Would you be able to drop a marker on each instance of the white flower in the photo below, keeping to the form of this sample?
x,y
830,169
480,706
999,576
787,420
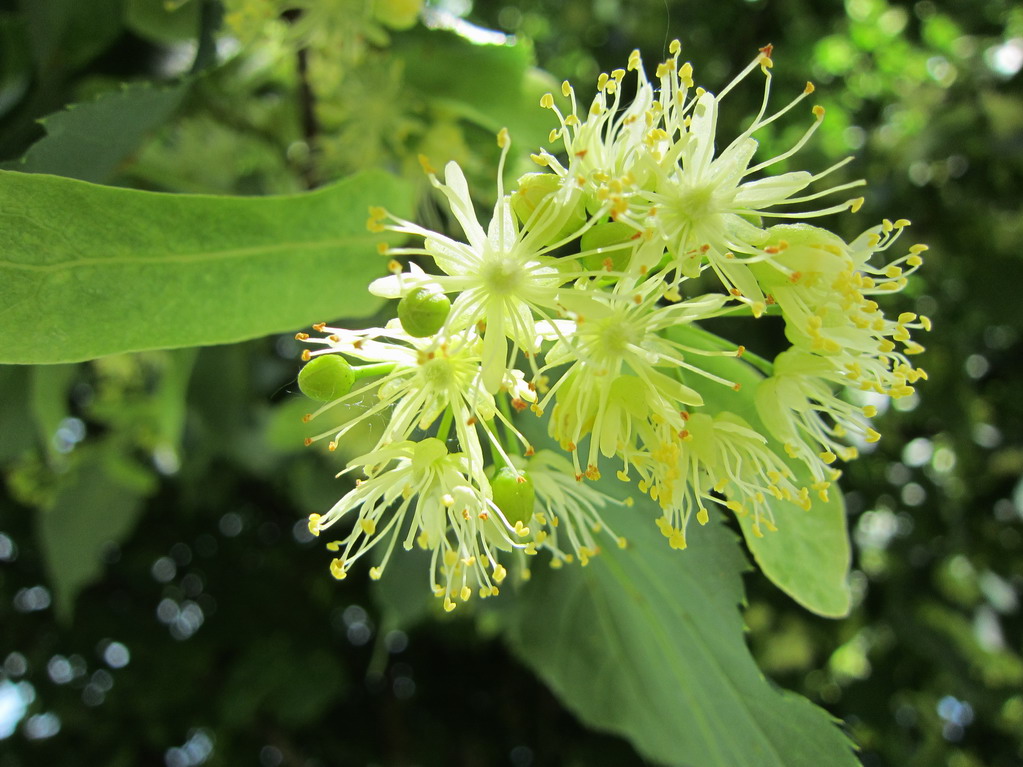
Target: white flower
x,y
420,382
704,208
719,454
826,290
503,277
568,517
449,513
621,372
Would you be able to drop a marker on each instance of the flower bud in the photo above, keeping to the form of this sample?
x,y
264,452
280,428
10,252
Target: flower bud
x,y
514,494
538,190
326,378
423,311
397,14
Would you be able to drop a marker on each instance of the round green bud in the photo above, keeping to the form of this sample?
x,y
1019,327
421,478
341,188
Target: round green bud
x,y
423,311
397,14
514,494
326,378
607,235
536,190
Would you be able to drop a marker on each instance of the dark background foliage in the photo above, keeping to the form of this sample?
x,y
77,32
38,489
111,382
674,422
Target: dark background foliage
x,y
213,633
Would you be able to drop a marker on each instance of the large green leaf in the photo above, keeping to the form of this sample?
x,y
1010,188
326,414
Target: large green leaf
x,y
90,270
809,556
88,141
648,643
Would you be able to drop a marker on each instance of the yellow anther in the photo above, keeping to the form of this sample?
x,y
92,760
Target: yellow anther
x,y
703,516
503,138
500,573
872,436
465,593
448,605
547,101
424,161
685,74
337,569
314,523
566,89
368,526
375,573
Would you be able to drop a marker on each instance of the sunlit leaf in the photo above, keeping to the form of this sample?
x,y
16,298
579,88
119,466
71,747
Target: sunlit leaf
x,y
647,642
90,270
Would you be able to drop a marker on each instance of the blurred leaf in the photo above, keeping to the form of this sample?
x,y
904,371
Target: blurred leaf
x,y
16,428
494,86
402,595
66,34
809,556
163,21
170,397
126,270
49,400
647,642
88,141
279,677
91,510
15,61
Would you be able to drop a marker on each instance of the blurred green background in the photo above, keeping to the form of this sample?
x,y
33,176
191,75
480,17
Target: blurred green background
x,y
160,599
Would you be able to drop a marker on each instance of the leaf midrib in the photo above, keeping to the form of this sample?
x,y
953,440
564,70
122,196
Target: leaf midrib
x,y
193,257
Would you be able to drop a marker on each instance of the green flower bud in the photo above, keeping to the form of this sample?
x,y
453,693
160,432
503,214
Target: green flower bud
x,y
423,311
326,378
536,188
607,235
514,494
397,14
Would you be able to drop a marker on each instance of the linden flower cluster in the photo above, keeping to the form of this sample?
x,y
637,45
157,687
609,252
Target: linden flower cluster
x,y
580,298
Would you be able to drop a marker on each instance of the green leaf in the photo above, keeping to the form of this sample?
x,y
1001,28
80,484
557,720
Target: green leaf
x,y
49,401
67,34
278,676
809,556
88,141
91,511
108,270
494,86
648,643
17,435
163,21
